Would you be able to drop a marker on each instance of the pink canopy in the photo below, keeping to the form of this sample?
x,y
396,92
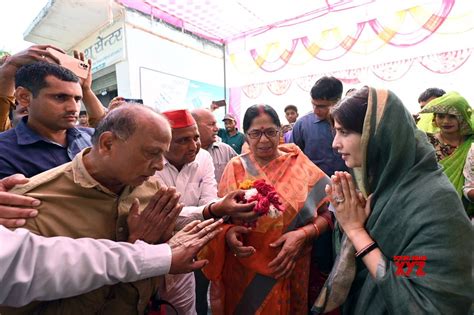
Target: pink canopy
x,y
225,21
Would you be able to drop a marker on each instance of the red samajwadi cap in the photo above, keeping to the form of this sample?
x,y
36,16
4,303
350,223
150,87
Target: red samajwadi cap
x,y
180,118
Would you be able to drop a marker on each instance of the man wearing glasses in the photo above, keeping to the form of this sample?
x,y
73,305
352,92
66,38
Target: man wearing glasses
x,y
313,132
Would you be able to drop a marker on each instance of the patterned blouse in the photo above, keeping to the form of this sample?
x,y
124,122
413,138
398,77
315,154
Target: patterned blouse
x,y
442,150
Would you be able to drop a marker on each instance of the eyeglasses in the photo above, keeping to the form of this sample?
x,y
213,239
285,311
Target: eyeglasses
x,y
257,134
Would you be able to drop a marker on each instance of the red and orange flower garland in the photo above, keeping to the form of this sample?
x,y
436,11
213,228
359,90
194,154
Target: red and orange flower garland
x,y
268,202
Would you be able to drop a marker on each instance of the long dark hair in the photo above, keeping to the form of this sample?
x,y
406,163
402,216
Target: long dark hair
x,y
350,112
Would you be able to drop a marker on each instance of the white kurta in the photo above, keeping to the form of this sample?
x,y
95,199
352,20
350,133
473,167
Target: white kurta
x,y
28,272
195,182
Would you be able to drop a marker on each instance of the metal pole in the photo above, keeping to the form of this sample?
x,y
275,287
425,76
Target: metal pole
x,y
225,79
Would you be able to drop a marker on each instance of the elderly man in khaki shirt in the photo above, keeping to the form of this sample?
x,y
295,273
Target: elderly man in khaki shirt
x,y
91,197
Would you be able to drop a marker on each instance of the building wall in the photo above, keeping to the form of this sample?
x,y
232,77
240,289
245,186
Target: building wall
x,y
155,47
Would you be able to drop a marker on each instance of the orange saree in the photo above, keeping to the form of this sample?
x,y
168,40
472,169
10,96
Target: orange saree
x,y
244,285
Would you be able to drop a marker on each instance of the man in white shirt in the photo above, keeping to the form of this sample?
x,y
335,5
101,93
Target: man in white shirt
x,y
186,167
191,171
221,152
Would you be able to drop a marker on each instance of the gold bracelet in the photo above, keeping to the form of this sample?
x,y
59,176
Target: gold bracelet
x,y
316,228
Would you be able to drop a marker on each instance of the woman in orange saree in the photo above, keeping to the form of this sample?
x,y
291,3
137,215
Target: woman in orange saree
x,y
265,269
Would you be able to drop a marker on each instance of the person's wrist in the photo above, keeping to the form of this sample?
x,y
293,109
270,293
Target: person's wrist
x,y
355,233
315,232
8,69
211,212
303,234
87,90
132,238
216,210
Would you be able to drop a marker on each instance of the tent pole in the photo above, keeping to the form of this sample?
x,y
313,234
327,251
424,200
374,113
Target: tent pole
x,y
225,77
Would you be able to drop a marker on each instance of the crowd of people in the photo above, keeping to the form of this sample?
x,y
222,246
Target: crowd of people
x,y
357,207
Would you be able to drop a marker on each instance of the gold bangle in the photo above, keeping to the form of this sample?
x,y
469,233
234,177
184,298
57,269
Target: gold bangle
x,y
316,228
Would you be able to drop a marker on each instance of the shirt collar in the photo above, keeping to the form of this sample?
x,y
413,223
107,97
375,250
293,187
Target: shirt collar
x,y
213,145
26,135
166,162
84,179
317,119
237,132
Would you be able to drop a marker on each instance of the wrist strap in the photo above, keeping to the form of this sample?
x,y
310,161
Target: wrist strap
x,y
367,249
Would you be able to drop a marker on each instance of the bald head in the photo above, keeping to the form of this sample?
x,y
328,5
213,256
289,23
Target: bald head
x,y
128,147
124,121
207,126
201,114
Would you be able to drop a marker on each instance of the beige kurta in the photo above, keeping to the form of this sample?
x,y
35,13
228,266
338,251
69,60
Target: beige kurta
x,y
76,205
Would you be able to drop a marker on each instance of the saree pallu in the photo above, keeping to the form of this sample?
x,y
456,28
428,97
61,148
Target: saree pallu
x,y
453,167
245,285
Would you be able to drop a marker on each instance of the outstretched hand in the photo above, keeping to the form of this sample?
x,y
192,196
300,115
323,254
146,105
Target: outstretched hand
x,y
231,205
187,243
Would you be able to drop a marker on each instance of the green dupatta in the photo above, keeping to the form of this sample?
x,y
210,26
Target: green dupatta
x,y
453,165
415,212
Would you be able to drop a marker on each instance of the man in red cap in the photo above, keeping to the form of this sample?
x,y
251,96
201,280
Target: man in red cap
x,y
187,167
191,171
